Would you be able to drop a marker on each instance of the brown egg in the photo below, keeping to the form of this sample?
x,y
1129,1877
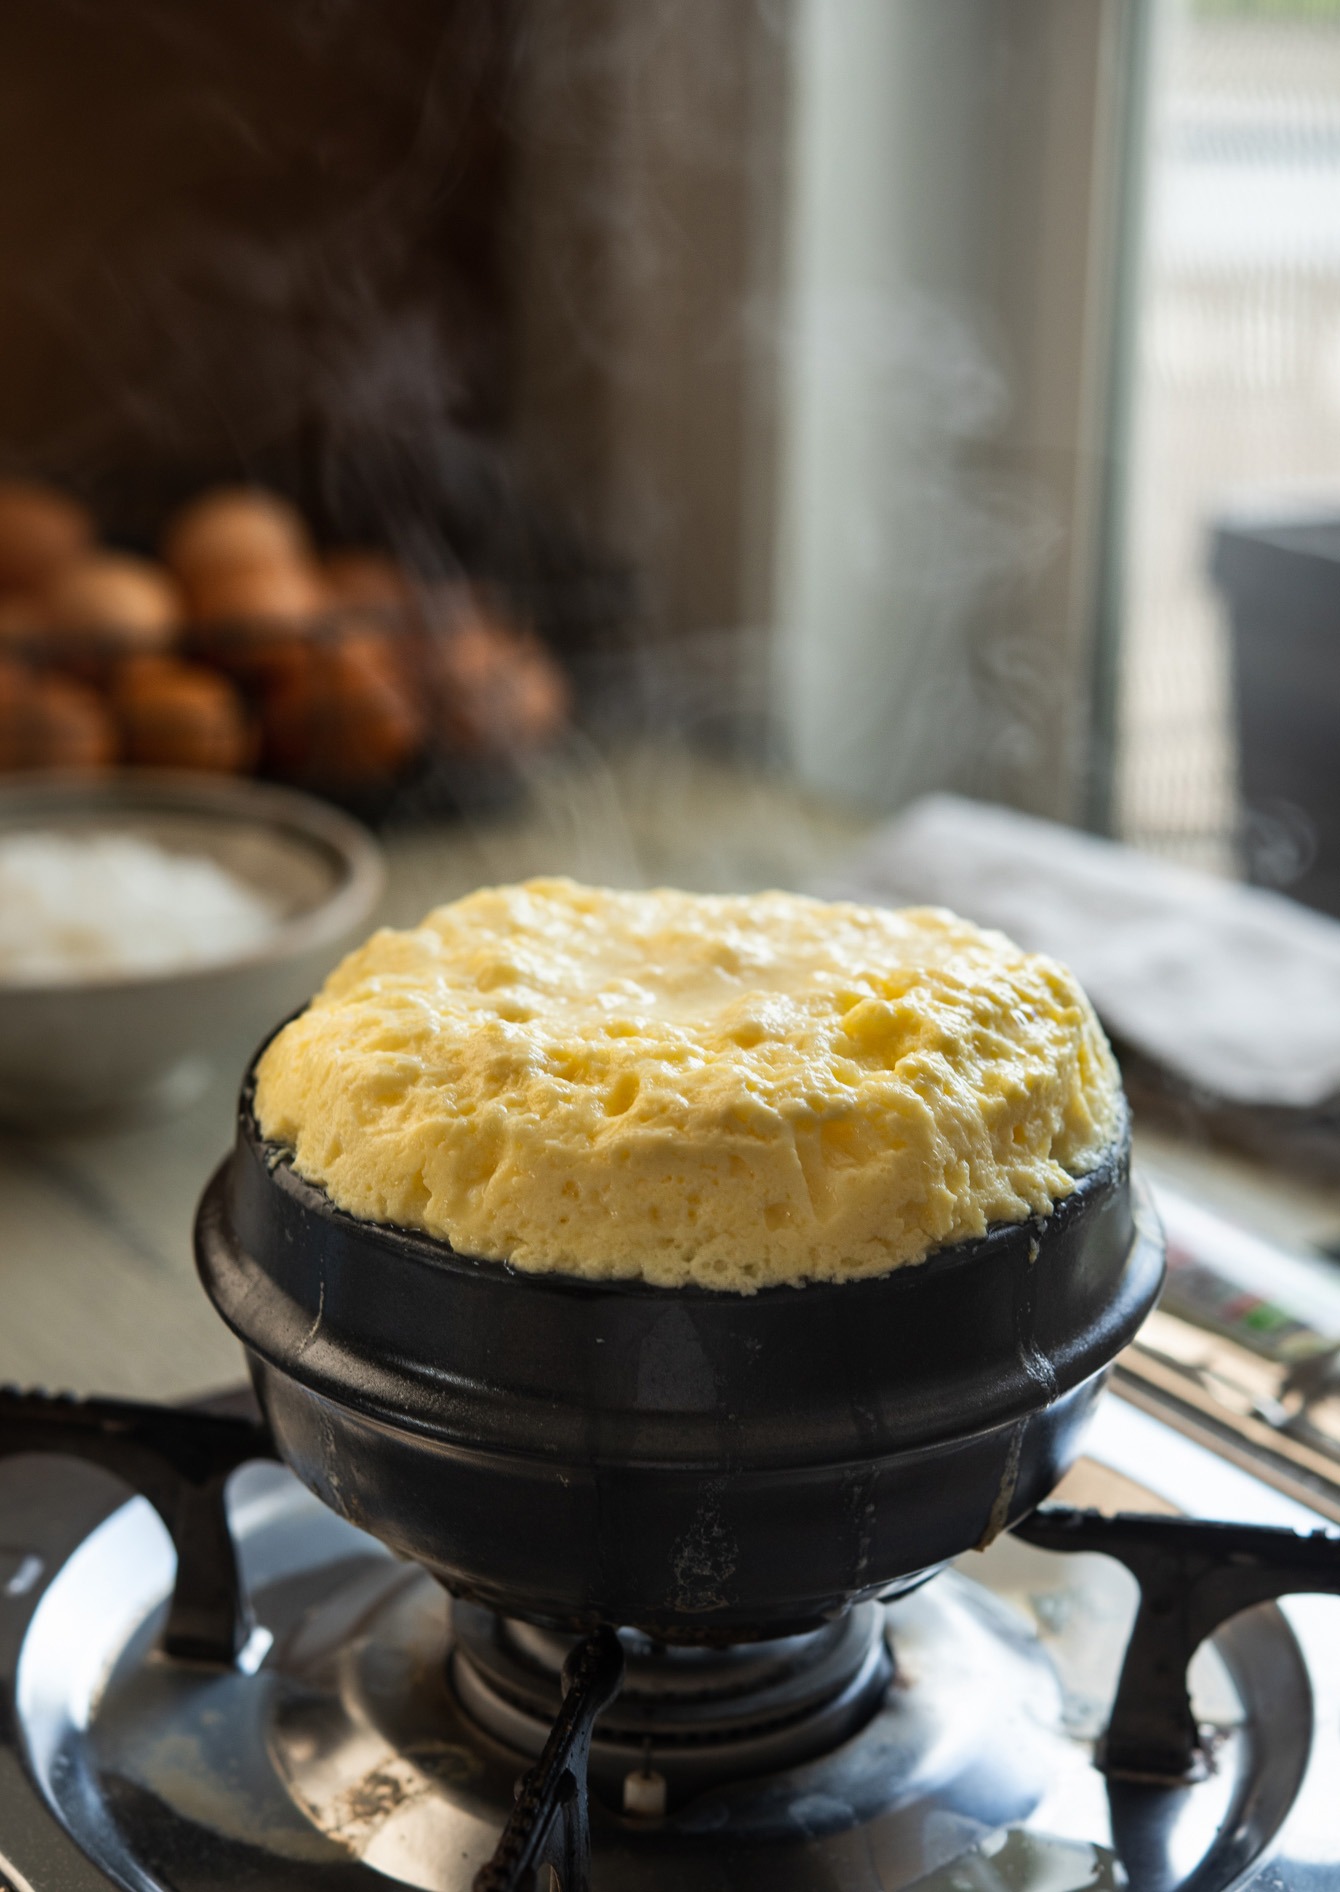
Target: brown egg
x,y
393,645
25,624
500,691
68,726
278,594
110,604
349,719
256,621
41,530
358,576
180,716
16,693
232,526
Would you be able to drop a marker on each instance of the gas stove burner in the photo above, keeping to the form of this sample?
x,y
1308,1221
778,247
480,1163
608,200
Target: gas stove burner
x,y
371,1729
387,1680
684,1719
347,1743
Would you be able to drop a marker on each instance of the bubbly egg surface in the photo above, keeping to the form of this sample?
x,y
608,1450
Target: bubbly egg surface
x,y
731,1091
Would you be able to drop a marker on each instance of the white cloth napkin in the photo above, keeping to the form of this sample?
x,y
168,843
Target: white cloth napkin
x,y
1232,988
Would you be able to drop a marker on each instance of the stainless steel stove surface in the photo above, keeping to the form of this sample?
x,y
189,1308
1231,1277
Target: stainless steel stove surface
x,y
373,1731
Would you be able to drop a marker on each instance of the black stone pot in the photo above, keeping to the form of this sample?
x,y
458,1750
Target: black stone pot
x,y
705,1466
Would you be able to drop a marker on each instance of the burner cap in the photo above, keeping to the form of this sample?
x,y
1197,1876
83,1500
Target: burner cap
x,y
695,1716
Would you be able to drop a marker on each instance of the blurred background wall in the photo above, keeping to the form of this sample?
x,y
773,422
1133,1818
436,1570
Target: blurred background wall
x,y
852,380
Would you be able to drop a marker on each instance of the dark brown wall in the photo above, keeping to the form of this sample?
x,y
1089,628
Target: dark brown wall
x,y
240,235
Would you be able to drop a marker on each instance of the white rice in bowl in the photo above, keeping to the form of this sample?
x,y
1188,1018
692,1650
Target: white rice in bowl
x,y
76,908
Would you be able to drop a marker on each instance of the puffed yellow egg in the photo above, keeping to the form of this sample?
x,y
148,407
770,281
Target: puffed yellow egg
x,y
728,1091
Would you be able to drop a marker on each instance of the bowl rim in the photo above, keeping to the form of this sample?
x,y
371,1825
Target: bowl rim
x,y
265,804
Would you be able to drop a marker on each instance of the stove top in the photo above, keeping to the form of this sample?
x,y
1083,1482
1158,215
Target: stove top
x,y
370,1729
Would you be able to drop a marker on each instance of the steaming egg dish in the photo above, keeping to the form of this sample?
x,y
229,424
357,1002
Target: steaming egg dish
x,y
688,1089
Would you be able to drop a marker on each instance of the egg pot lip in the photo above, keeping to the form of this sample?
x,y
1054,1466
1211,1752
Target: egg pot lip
x,y
1112,1170
418,1247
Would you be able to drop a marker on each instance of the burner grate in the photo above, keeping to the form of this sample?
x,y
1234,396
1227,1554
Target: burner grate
x,y
180,1460
1193,1575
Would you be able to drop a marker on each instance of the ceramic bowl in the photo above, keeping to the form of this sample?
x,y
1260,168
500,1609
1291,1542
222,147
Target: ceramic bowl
x,y
115,1046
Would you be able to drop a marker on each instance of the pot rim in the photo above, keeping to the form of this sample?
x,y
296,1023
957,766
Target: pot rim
x,y
433,1251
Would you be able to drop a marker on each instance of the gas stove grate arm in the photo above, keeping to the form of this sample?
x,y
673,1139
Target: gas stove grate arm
x,y
550,1823
1193,1576
180,1461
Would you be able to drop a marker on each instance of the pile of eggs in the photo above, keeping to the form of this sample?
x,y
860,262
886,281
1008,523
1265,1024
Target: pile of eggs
x,y
242,647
